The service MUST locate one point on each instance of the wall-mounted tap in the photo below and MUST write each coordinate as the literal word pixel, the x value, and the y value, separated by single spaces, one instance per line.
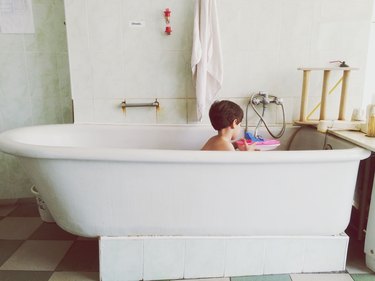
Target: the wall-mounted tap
pixel 260 98
pixel 264 98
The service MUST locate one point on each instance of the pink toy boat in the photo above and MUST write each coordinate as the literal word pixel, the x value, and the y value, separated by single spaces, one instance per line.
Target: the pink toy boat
pixel 262 145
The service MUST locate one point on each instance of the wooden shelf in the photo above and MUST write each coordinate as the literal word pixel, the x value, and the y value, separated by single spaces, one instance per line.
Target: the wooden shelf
pixel 334 68
pixel 325 92
pixel 307 122
pixel 337 125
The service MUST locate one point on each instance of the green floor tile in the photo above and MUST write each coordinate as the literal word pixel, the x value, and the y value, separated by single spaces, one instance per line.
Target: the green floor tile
pixel 363 277
pixel 276 277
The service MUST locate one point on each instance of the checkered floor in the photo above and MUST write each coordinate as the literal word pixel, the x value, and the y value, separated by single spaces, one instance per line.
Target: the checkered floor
pixel 32 250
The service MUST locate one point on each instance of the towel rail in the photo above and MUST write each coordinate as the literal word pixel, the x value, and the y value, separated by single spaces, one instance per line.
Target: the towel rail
pixel 124 104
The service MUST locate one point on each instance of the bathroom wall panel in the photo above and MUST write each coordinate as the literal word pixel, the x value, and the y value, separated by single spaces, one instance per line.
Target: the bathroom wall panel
pixel 263 42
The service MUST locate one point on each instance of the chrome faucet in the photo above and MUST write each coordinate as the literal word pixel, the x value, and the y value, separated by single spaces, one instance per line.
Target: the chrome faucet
pixel 264 98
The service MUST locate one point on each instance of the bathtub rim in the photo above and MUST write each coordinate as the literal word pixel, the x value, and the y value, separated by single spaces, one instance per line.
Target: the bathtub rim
pixel 10 145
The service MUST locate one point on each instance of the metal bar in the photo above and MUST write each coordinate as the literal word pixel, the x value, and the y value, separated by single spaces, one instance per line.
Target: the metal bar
pixel 153 104
pixel 124 104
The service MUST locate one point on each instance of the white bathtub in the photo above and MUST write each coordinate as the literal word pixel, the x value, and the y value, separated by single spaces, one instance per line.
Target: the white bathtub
pixel 127 181
pixel 101 180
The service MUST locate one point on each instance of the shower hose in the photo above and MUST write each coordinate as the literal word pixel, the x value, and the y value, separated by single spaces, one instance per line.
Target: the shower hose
pixel 261 118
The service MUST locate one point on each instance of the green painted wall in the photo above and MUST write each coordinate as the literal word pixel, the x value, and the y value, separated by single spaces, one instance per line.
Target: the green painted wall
pixel 34 85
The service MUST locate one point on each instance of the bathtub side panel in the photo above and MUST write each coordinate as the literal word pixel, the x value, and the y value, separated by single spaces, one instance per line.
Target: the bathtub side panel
pixel 92 198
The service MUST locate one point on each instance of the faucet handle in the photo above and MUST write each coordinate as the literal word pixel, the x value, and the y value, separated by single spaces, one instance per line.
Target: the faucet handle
pixel 278 101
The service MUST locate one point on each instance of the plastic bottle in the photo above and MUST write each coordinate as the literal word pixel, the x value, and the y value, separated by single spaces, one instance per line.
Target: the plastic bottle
pixel 371 123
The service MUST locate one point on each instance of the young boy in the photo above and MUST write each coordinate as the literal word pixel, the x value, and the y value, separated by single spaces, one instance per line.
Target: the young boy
pixel 226 117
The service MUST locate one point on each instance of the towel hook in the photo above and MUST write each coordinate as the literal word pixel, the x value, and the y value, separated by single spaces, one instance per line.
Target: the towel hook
pixel 167 16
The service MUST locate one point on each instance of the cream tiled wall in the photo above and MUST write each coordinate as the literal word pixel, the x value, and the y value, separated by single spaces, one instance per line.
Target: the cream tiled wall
pixel 370 69
pixel 34 84
pixel 264 42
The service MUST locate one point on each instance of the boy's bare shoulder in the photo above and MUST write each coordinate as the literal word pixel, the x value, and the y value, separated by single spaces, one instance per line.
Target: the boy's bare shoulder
pixel 217 143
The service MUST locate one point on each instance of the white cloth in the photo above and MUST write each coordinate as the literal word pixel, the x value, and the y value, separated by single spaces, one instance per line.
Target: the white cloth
pixel 206 59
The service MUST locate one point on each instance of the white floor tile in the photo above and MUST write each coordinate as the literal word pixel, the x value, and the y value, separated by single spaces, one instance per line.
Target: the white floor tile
pixel 37 255
pixel 74 276
pixel 18 228
pixel 321 277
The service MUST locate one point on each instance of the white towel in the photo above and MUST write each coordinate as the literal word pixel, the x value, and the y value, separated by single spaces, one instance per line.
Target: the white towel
pixel 206 59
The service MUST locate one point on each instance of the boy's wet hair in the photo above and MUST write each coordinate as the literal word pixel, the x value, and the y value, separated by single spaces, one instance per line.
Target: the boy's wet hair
pixel 223 113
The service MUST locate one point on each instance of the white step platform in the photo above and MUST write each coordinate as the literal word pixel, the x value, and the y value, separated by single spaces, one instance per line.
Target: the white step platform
pixel 178 257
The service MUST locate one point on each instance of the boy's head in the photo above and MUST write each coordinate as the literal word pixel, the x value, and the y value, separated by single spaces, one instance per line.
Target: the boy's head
pixel 223 113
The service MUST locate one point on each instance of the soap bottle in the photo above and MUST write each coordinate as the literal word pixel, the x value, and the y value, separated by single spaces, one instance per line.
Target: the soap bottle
pixel 371 123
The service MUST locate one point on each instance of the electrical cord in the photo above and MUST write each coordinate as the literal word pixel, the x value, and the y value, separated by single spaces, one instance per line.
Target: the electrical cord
pixel 291 139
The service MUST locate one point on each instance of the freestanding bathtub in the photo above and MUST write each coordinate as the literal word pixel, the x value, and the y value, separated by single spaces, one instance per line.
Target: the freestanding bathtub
pixel 137 184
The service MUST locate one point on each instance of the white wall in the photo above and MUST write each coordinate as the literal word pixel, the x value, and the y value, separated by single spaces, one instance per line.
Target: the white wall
pixel 264 42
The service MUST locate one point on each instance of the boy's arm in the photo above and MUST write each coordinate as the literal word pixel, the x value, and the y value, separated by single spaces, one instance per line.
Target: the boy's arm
pixel 245 146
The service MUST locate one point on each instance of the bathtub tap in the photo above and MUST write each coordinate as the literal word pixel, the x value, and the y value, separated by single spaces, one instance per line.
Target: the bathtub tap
pixel 264 98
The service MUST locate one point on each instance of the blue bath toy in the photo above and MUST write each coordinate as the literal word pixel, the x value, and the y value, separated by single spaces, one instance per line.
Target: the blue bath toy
pixel 250 136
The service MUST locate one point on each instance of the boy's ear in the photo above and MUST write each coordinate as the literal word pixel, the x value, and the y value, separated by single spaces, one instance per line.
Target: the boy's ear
pixel 234 123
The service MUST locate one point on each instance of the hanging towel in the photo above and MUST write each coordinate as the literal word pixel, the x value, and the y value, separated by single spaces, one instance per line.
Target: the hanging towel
pixel 206 59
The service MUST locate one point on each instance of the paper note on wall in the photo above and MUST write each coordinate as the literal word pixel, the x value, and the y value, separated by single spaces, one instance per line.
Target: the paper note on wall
pixel 16 16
